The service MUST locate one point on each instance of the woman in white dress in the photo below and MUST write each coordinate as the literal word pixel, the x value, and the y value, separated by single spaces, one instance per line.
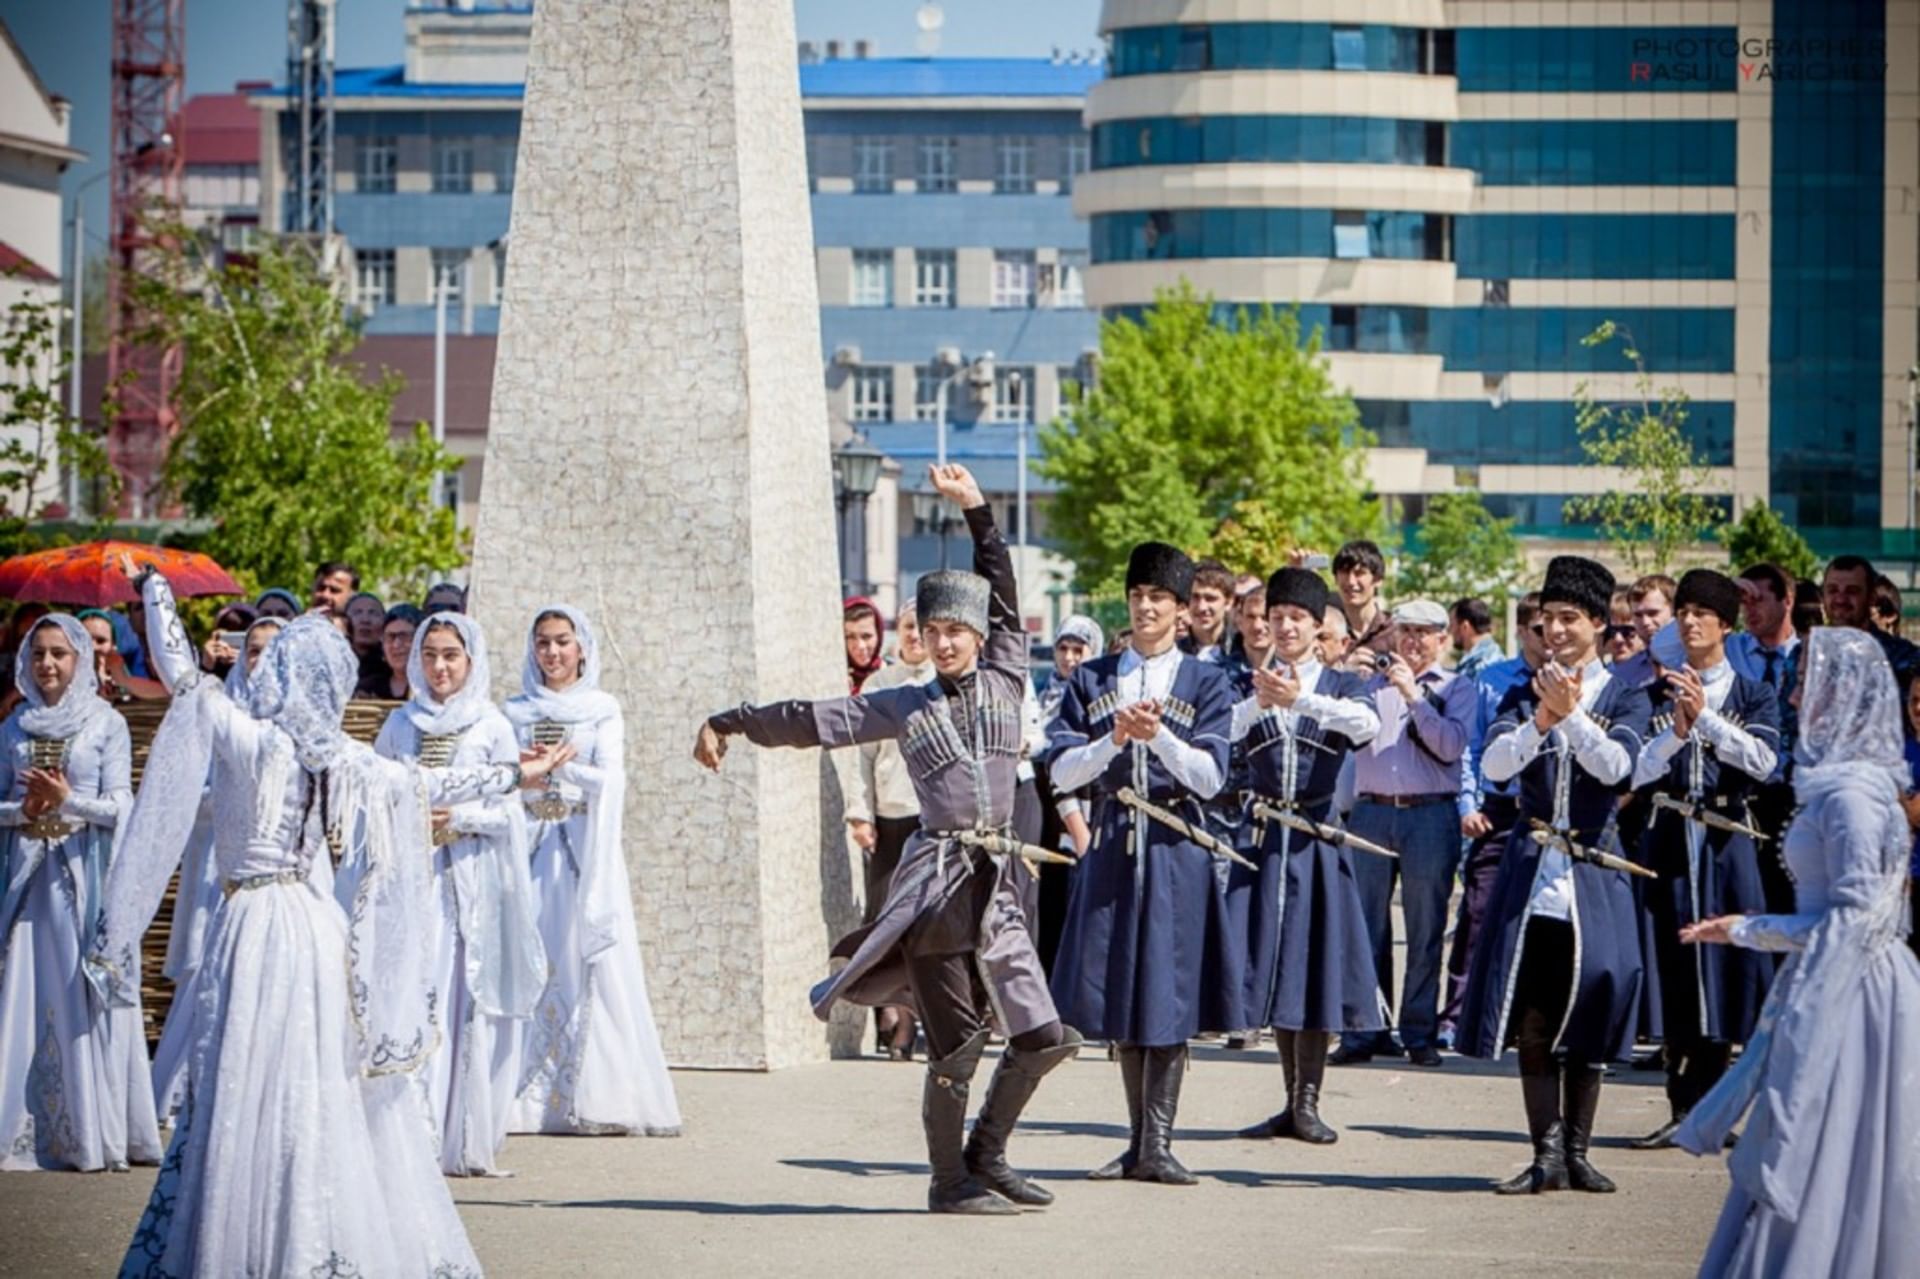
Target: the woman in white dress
pixel 592 1061
pixel 1826 1178
pixel 74 1091
pixel 199 896
pixel 487 957
pixel 302 1147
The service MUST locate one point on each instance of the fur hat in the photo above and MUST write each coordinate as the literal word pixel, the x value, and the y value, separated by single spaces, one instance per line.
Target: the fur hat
pixel 1581 582
pixel 1300 587
pixel 1157 564
pixel 953 595
pixel 1715 592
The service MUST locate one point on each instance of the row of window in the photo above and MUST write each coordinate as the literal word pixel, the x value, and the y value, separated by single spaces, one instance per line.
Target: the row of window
pixel 1486 59
pixel 1253 139
pixel 1020 281
pixel 1527 246
pixel 1287 46
pixel 871 392
pixel 454 161
pixel 374 276
pixel 933 163
pixel 1501 339
pixel 1596 152
pixel 1492 431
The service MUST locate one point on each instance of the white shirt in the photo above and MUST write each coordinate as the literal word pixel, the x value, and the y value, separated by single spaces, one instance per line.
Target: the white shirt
pixel 1733 746
pixel 1352 719
pixel 1142 679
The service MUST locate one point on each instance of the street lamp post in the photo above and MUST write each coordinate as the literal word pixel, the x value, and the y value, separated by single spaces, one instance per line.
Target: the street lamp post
pixel 856 472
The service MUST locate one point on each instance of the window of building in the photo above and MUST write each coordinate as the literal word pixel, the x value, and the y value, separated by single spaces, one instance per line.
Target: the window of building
pixel 499 272
pixel 506 160
pixel 450 274
pixel 372 279
pixel 453 165
pixel 872 166
pixel 873 393
pixel 1013 166
pixel 376 165
pixel 1013 279
pixel 1076 158
pixel 926 392
pixel 873 277
pixel 1012 394
pixel 1191 54
pixel 936 168
pixel 1342 327
pixel 1349 49
pixel 1350 234
pixel 1063 284
pixel 933 272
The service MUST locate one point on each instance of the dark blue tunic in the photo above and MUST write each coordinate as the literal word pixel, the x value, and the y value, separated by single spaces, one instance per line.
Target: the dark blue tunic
pixel 1709 992
pixel 1309 962
pixel 1607 974
pixel 1145 956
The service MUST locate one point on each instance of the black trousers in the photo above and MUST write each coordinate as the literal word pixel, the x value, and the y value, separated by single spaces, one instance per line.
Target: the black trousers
pixel 890 835
pixel 1054 885
pixel 953 1005
pixel 1541 992
pixel 1772 808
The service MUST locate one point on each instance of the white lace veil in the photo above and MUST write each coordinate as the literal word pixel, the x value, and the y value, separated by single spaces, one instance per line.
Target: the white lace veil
pixel 475 697
pixel 239 682
pixel 80 705
pixel 1849 711
pixel 303 683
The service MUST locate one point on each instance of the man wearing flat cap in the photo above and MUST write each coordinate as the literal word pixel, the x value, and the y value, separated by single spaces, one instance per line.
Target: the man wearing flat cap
pixel 1556 968
pixel 951 939
pixel 1407 781
pixel 1716 740
pixel 1146 959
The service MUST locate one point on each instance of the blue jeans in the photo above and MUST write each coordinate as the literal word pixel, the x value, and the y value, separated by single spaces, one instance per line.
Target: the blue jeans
pixel 1427 838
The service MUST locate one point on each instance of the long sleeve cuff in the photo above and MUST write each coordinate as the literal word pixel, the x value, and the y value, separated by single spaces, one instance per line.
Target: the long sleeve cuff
pixel 12 813
pixel 1736 746
pixel 1655 756
pixel 1509 754
pixel 94 810
pixel 1773 932
pixel 1192 767
pixel 1077 766
pixel 1353 720
pixel 788 723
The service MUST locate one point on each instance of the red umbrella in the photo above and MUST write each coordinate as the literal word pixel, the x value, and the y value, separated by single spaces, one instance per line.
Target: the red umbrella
pixel 89 576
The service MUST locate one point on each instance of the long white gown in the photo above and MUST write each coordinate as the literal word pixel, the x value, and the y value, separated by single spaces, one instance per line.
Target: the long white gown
pixel 1826 1178
pixel 302 1146
pixel 592 1061
pixel 74 1091
pixel 486 943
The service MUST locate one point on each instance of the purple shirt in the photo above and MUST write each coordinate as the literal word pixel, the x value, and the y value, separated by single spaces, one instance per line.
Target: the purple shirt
pixel 1393 763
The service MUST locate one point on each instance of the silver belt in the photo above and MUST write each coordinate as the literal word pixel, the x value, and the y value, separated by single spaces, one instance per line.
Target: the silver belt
pixel 251 882
pixel 49 828
pixel 553 808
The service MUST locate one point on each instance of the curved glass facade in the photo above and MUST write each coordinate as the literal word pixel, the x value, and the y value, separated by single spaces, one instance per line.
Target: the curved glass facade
pixel 1595 246
pixel 1259 46
pixel 1555 153
pixel 1253 139
pixel 1266 233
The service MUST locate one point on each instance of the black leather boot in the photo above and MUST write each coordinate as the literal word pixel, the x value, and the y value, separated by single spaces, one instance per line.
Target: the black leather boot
pixel 1548 1171
pixel 1132 1059
pixel 1166 1070
pixel 1279 1125
pixel 1309 1069
pixel 943 1113
pixel 1582 1103
pixel 1014 1081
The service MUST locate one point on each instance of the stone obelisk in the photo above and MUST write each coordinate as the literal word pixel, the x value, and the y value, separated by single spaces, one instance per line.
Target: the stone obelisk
pixel 657 455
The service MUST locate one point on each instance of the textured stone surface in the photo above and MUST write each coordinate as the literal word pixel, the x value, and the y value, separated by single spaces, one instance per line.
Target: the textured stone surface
pixel 658 456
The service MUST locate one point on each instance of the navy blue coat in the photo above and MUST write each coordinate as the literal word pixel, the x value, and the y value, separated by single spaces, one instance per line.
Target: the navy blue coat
pixel 1309 960
pixel 1599 1025
pixel 1709 992
pixel 1146 956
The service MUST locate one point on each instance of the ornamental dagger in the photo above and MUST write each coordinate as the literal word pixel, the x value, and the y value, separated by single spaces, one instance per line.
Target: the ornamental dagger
pixel 1006 846
pixel 1180 826
pixel 1319 830
pixel 1547 837
pixel 1705 816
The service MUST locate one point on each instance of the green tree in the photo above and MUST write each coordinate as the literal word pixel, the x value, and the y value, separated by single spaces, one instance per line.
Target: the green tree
pixel 1760 536
pixel 1226 440
pixel 283 447
pixel 37 434
pixel 1666 502
pixel 1460 549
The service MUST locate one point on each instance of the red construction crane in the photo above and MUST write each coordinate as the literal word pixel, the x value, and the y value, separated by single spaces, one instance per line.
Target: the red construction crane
pixel 149 80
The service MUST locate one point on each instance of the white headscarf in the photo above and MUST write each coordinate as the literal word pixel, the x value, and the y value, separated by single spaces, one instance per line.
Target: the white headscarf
pixel 1086 630
pixel 80 705
pixel 471 701
pixel 302 685
pixel 239 683
pixel 1849 714
pixel 578 703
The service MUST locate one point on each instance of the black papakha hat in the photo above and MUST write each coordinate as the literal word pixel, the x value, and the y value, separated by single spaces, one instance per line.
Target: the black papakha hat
pixel 1581 582
pixel 953 595
pixel 1300 587
pixel 1715 592
pixel 1157 564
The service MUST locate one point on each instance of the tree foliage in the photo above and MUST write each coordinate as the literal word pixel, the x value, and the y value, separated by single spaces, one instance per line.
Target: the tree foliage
pixel 37 434
pixel 1667 502
pixel 1760 536
pixel 283 447
pixel 1461 549
pixel 1226 440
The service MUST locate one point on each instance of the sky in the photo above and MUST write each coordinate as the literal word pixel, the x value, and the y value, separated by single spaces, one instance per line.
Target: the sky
pixel 229 40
